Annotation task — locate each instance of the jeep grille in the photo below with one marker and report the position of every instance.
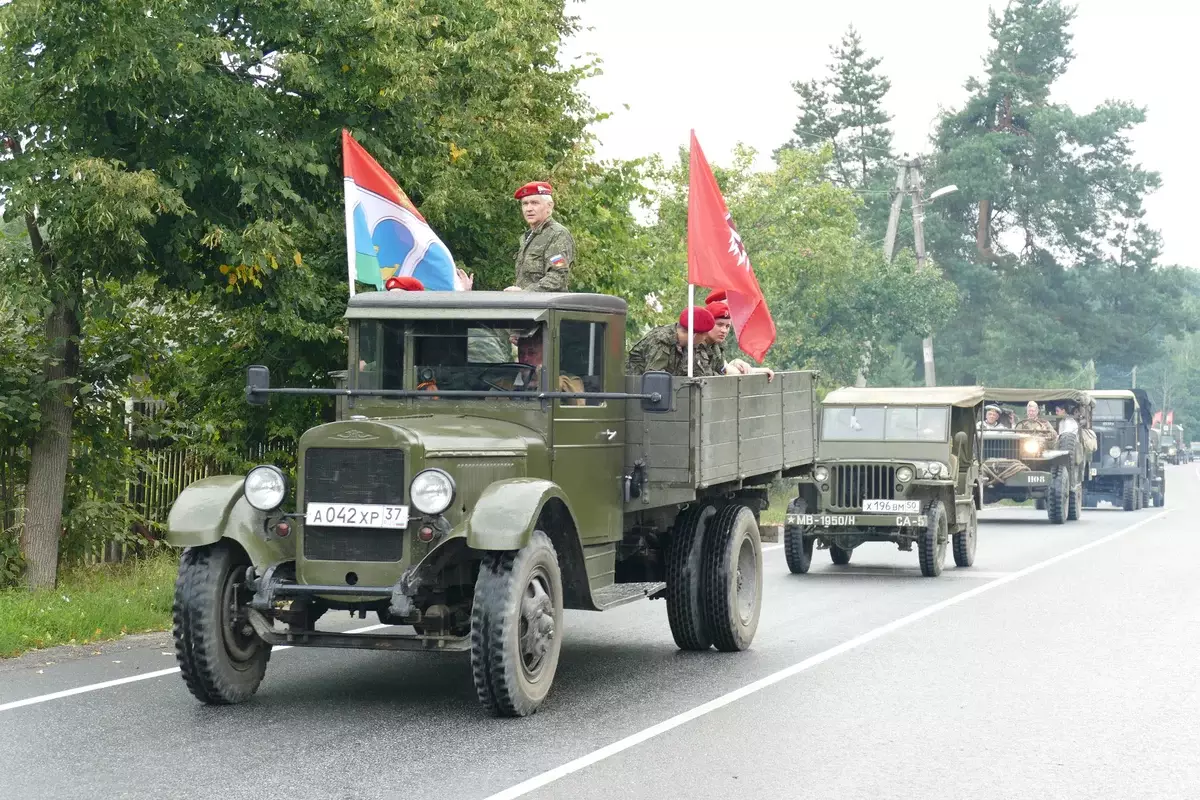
(334, 475)
(853, 483)
(1002, 448)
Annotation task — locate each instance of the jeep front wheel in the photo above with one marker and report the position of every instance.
(964, 543)
(1058, 496)
(931, 544)
(516, 627)
(796, 548)
(732, 585)
(221, 658)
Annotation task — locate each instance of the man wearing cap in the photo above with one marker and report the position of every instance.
(714, 350)
(991, 418)
(547, 251)
(665, 348)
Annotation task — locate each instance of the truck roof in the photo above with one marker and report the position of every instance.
(495, 305)
(1111, 394)
(1040, 395)
(964, 396)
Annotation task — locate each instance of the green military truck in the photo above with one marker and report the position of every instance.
(471, 498)
(1044, 459)
(1125, 470)
(893, 465)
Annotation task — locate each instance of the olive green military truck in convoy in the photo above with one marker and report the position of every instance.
(893, 465)
(1042, 452)
(490, 465)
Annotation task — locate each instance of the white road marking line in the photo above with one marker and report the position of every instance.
(596, 756)
(769, 547)
(95, 687)
(909, 573)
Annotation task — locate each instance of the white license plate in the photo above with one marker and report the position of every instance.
(851, 520)
(1036, 478)
(892, 506)
(356, 515)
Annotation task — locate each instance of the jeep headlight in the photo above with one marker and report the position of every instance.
(936, 468)
(431, 491)
(821, 474)
(904, 474)
(265, 487)
(1172, 452)
(1031, 447)
(1114, 452)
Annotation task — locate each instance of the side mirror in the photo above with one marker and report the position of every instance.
(258, 379)
(657, 384)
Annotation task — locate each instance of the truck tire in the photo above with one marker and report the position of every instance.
(1075, 505)
(839, 555)
(221, 658)
(684, 577)
(964, 543)
(732, 578)
(1058, 495)
(1129, 496)
(1160, 497)
(516, 627)
(797, 549)
(931, 543)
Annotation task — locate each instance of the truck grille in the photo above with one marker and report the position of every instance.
(857, 482)
(1001, 448)
(333, 475)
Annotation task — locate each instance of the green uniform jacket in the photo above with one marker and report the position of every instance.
(545, 258)
(659, 350)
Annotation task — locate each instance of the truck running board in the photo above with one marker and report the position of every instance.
(618, 594)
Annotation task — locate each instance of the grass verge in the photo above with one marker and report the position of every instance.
(104, 601)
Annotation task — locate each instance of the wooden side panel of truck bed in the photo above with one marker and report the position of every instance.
(721, 432)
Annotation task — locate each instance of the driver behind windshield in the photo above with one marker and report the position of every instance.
(530, 352)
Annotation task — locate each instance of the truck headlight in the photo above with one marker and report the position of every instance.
(1031, 447)
(821, 474)
(1172, 451)
(904, 474)
(936, 468)
(1114, 452)
(265, 487)
(431, 491)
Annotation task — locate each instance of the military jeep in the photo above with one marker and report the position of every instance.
(1035, 460)
(1126, 469)
(490, 465)
(893, 465)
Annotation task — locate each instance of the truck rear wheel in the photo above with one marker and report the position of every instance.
(732, 589)
(839, 555)
(796, 548)
(931, 544)
(964, 543)
(1058, 496)
(684, 577)
(221, 658)
(516, 627)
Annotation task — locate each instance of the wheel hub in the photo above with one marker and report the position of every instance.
(537, 629)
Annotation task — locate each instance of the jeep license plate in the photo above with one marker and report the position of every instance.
(356, 515)
(892, 506)
(851, 520)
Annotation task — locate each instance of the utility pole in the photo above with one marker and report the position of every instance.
(889, 247)
(1134, 377)
(917, 188)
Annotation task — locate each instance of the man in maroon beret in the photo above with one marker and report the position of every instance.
(547, 251)
(665, 348)
(714, 350)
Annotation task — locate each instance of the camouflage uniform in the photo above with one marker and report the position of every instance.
(712, 355)
(545, 258)
(659, 350)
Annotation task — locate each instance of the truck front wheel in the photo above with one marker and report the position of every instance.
(516, 627)
(732, 589)
(221, 658)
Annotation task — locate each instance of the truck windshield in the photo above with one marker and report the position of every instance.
(452, 355)
(879, 424)
(1110, 408)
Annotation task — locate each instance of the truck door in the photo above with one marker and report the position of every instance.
(589, 436)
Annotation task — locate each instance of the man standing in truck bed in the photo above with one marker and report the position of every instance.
(547, 250)
(665, 348)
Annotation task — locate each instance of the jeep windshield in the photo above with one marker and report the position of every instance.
(884, 424)
(450, 355)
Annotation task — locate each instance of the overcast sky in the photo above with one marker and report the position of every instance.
(726, 68)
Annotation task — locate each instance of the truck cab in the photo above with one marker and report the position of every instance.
(1125, 467)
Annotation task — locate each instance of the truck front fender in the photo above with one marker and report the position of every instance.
(507, 511)
(214, 508)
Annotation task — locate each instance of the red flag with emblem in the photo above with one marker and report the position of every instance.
(717, 258)
(1171, 417)
(1157, 418)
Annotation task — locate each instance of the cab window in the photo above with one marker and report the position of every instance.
(581, 359)
(380, 355)
(1110, 408)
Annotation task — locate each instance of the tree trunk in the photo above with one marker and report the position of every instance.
(50, 454)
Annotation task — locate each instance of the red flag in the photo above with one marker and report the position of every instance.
(717, 258)
(1171, 416)
(1157, 418)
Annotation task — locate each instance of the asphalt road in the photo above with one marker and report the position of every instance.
(1062, 665)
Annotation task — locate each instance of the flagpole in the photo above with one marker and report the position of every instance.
(691, 323)
(349, 233)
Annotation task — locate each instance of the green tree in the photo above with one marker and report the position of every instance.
(197, 141)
